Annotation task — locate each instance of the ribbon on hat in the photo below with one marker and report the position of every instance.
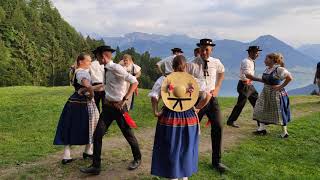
(178, 101)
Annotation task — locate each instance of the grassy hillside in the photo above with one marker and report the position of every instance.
(29, 115)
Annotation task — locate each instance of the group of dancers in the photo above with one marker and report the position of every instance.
(189, 91)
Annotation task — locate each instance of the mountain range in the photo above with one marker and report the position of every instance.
(229, 51)
(300, 62)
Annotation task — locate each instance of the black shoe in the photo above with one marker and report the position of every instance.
(66, 161)
(221, 168)
(262, 132)
(91, 170)
(134, 164)
(85, 156)
(284, 136)
(232, 124)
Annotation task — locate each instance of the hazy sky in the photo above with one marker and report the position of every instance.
(294, 21)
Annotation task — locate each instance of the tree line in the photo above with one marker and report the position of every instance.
(37, 46)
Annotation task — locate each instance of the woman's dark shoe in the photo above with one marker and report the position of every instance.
(91, 170)
(284, 136)
(134, 164)
(262, 132)
(85, 156)
(66, 161)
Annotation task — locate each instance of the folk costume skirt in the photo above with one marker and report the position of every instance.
(77, 122)
(175, 150)
(272, 107)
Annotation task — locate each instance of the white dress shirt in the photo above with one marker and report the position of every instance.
(167, 64)
(196, 67)
(116, 81)
(246, 67)
(97, 72)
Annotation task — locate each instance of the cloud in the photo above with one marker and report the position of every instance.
(294, 20)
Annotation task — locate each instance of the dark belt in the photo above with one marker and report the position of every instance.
(94, 84)
(109, 103)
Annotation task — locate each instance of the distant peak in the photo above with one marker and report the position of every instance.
(267, 37)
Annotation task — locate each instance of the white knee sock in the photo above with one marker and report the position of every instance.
(88, 149)
(262, 127)
(185, 178)
(67, 152)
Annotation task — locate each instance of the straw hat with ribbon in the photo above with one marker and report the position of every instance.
(179, 91)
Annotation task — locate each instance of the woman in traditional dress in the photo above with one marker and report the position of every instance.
(273, 105)
(80, 115)
(135, 70)
(175, 150)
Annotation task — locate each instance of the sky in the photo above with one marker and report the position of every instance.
(296, 22)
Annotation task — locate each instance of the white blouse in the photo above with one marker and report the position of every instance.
(281, 73)
(82, 74)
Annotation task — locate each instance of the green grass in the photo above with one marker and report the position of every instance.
(269, 157)
(29, 116)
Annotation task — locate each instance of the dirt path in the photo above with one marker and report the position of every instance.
(116, 152)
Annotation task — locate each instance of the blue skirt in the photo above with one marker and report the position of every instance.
(73, 126)
(175, 150)
(285, 107)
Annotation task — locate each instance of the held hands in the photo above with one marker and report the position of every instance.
(81, 91)
(84, 92)
(214, 93)
(119, 105)
(158, 114)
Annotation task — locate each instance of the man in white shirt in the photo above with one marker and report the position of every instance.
(117, 93)
(96, 71)
(210, 72)
(167, 62)
(245, 87)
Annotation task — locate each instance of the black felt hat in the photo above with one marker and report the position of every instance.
(254, 48)
(102, 49)
(205, 42)
(177, 50)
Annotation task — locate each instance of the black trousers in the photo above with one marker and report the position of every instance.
(99, 97)
(246, 92)
(212, 110)
(106, 118)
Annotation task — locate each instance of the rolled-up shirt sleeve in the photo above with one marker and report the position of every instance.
(156, 89)
(220, 67)
(246, 69)
(159, 63)
(121, 72)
